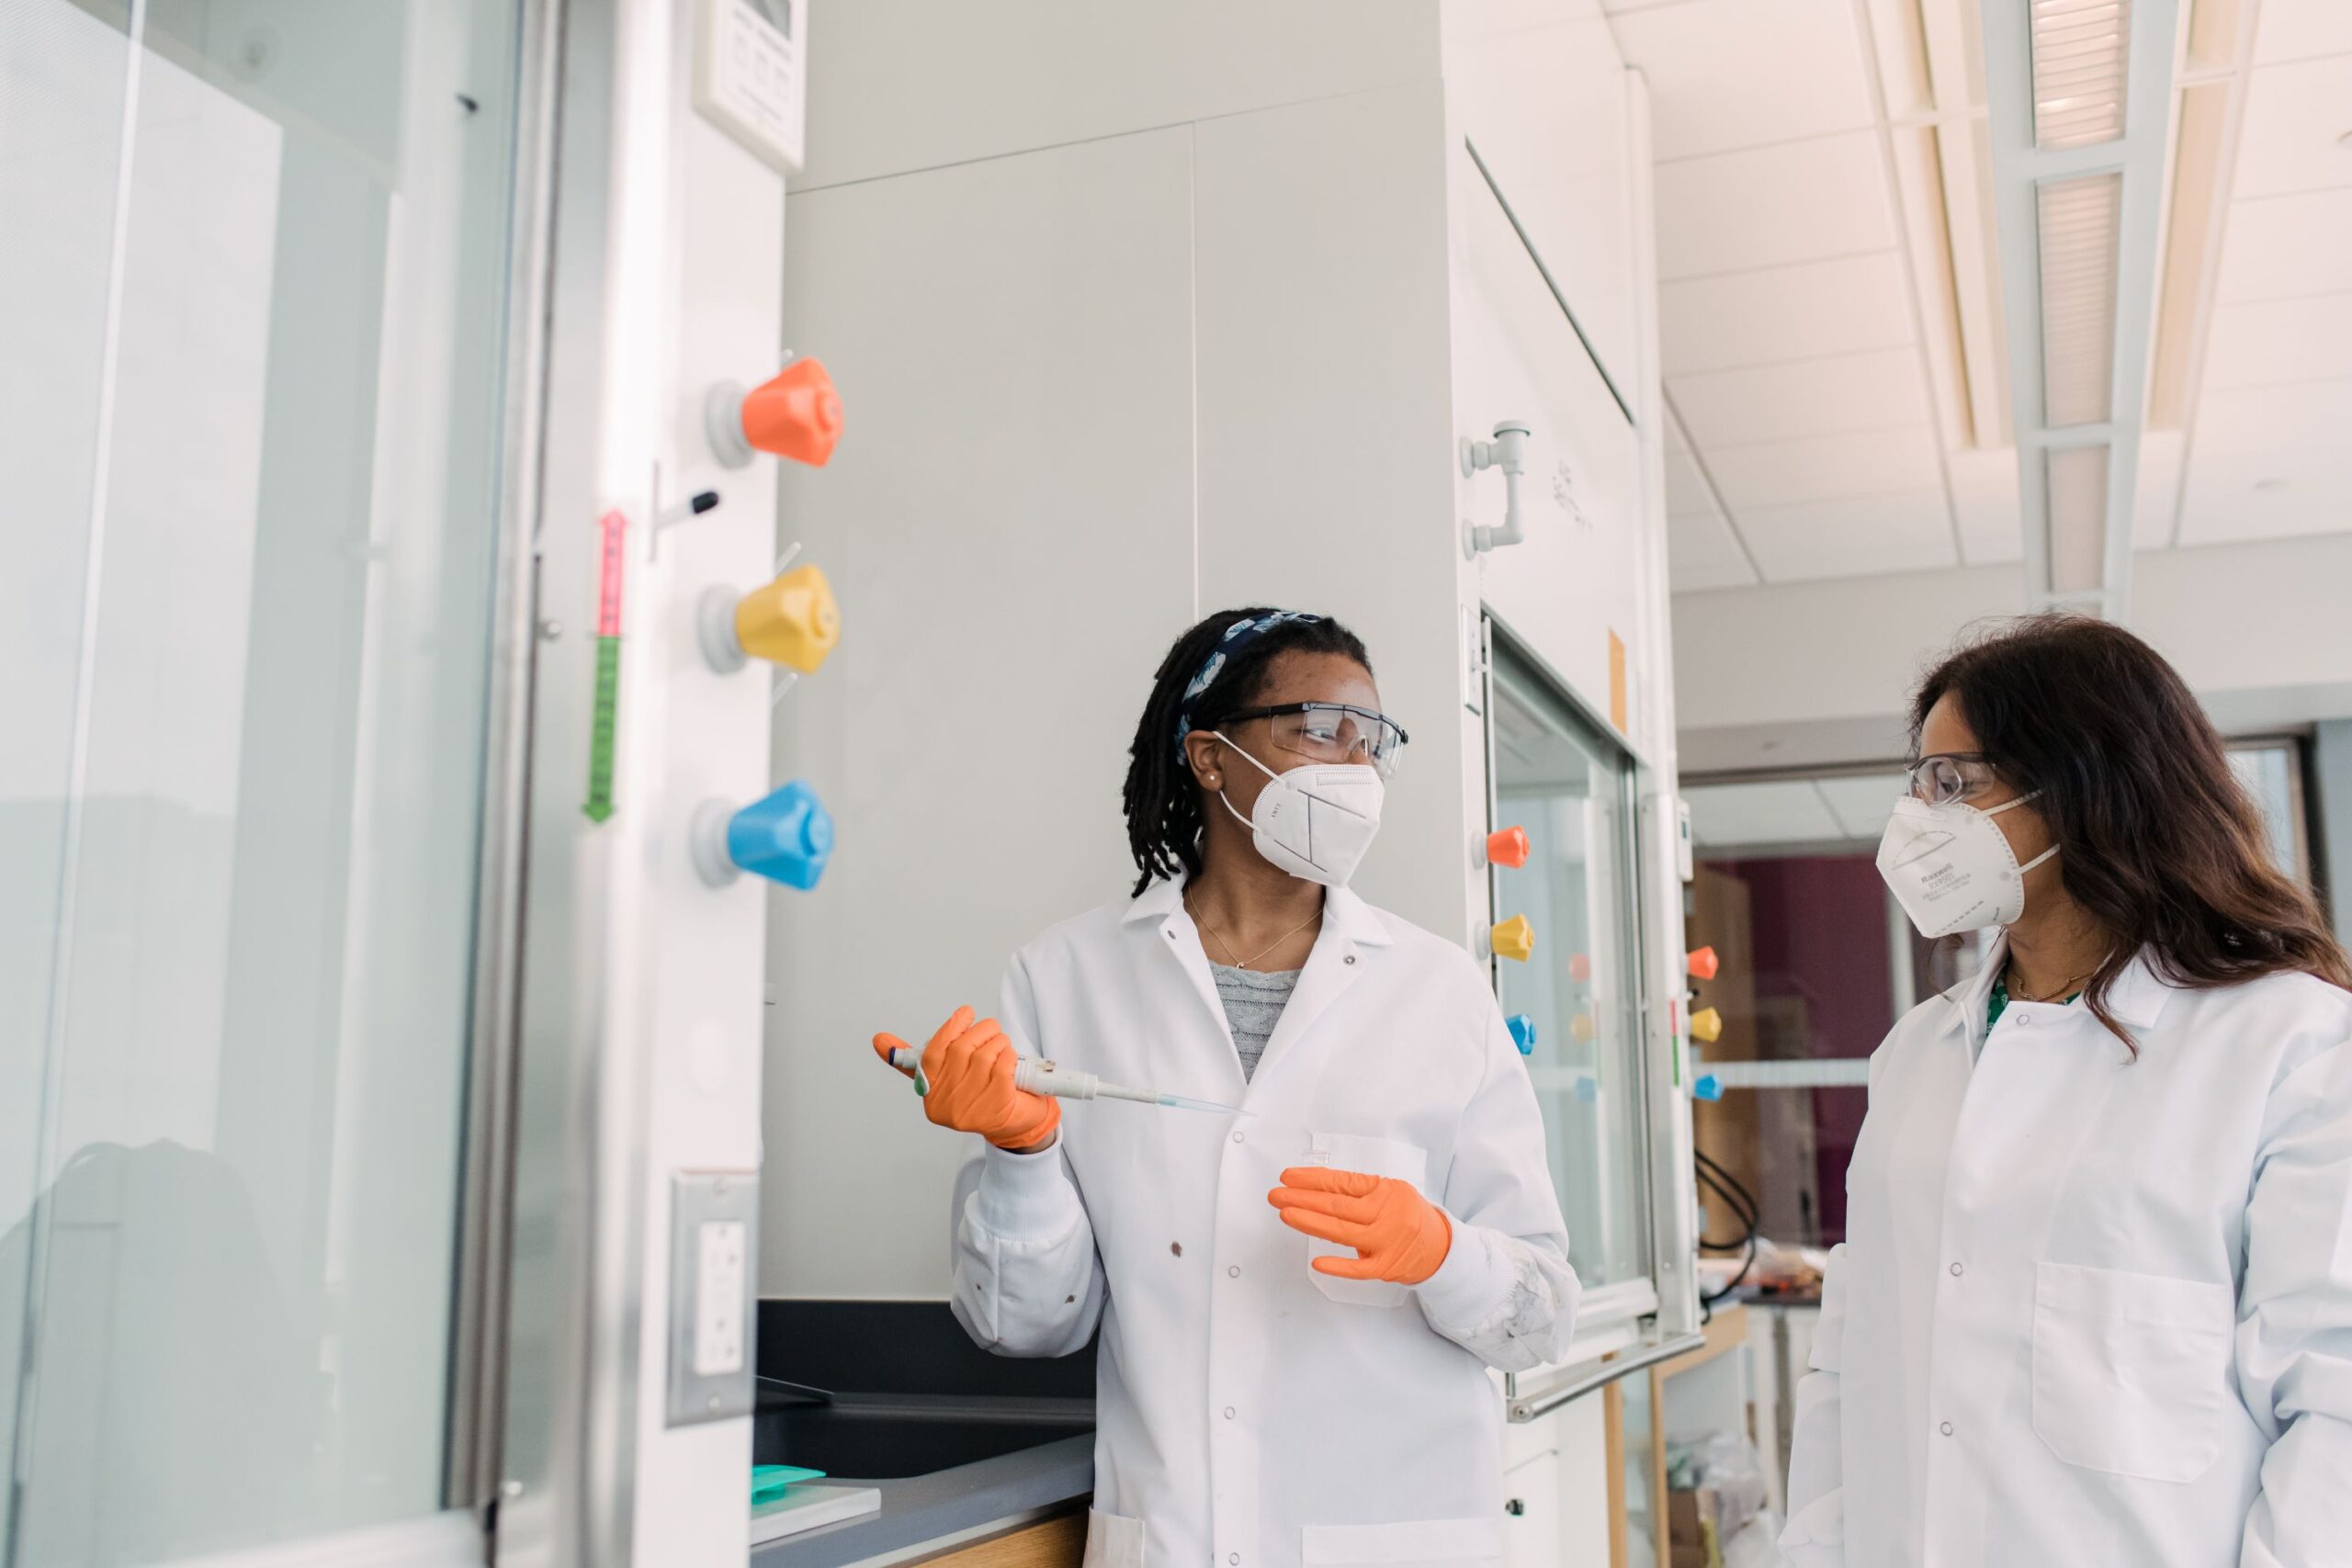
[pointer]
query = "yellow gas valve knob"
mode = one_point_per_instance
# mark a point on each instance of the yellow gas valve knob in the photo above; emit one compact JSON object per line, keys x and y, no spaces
{"x":792,"y":621}
{"x":1513,"y":939}
{"x":1706,"y":1026}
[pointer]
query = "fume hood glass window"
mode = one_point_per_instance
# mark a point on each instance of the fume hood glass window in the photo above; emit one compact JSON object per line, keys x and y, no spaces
{"x":251,"y":330}
{"x":1571,"y":789}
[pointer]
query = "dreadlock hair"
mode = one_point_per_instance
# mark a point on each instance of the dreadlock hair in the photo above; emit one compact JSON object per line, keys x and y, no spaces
{"x":1163,"y":804}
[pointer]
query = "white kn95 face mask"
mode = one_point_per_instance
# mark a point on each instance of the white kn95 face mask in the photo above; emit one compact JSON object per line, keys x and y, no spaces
{"x":1950,"y":866}
{"x":1315,"y":821}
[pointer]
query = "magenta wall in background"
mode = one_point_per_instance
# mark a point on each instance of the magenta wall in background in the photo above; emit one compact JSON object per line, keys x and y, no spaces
{"x":1819,"y":929}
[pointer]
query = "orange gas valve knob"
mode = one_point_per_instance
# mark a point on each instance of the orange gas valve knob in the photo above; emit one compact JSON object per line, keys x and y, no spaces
{"x":1703,"y":963}
{"x":795,"y":413}
{"x":1507,"y":847}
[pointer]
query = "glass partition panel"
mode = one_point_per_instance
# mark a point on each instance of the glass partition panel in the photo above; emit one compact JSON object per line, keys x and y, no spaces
{"x":1571,"y":789}
{"x":250,"y":412}
{"x":62,"y":80}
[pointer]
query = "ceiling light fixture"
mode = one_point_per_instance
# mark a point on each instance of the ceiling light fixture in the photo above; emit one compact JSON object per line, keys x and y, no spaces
{"x":2079,"y":98}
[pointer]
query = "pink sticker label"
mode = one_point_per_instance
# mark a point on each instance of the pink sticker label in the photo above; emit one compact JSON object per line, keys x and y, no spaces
{"x":608,"y":587}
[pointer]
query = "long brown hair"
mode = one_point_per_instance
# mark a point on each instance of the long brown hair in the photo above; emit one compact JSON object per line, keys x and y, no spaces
{"x":2156,"y":839}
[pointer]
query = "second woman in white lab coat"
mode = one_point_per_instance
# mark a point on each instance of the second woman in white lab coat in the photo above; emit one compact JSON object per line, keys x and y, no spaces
{"x":1298,"y":1306}
{"x":2095,"y":1302}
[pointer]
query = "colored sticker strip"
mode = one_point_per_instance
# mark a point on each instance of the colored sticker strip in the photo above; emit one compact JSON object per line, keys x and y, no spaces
{"x":608,"y":669}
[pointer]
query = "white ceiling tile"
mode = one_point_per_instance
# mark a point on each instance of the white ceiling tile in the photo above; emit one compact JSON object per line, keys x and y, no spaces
{"x":2155,"y":491}
{"x":2257,"y":342}
{"x":1880,"y":390}
{"x":2240,"y":420}
{"x":1985,"y":504}
{"x":2300,"y":29}
{"x":1687,"y":494}
{"x":2284,"y":246}
{"x":1782,"y":811}
{"x":1863,"y":805}
{"x":1850,"y":538}
{"x":2267,"y":495}
{"x":1784,"y":313}
{"x":1770,"y":205}
{"x":2294,"y":116}
{"x":1826,"y":467}
{"x":1703,"y":553}
{"x":1726,"y":73}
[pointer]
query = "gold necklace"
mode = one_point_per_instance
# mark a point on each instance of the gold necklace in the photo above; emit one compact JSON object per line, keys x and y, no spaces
{"x":1201,"y":920}
{"x":2068,"y":989}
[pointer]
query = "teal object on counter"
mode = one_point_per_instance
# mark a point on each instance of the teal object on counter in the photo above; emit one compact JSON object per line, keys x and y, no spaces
{"x":769,"y":1481}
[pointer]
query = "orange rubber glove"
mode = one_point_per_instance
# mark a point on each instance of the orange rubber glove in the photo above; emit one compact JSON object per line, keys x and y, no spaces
{"x":969,"y":1066}
{"x":1400,"y":1236}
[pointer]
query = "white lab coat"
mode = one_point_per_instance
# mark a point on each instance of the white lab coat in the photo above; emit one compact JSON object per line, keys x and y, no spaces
{"x":1251,"y":1412}
{"x":2091,"y":1311}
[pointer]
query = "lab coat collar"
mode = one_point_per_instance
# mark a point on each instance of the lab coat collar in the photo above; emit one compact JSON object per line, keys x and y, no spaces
{"x":2137,"y":998}
{"x":2140,"y":993}
{"x":1345,"y":914}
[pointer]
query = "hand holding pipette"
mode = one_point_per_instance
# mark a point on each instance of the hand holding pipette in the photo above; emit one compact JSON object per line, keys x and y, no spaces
{"x":1030,"y":1078}
{"x":965,"y":1077}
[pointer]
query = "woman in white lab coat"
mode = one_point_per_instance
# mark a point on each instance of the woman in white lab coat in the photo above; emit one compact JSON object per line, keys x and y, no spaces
{"x":2095,"y":1302}
{"x":1298,"y":1306}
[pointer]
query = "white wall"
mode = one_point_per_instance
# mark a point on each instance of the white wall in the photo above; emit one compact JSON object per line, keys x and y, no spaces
{"x":1010,"y":524}
{"x":904,"y":84}
{"x":1821,"y":671}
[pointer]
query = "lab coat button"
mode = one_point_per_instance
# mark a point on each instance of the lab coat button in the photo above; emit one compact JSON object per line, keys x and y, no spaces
{"x":1946,"y":1429}
{"x":1234,"y":1272}
{"x":1233,"y":1557}
{"x":1237,"y":1137}
{"x":1228,"y":1413}
{"x":1955,"y":1270}
{"x":1350,"y":958}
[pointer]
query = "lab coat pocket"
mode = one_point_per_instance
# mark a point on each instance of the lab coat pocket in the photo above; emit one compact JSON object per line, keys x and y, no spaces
{"x":2130,"y":1369}
{"x":1416,"y":1543}
{"x":1374,"y":1156}
{"x":1112,"y":1542}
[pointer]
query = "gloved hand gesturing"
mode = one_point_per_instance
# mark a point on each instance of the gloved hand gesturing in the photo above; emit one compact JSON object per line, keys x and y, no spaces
{"x":1400,"y":1236}
{"x":969,"y":1066}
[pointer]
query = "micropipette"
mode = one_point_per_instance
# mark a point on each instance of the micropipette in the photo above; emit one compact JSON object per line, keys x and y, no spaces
{"x":1036,"y":1076}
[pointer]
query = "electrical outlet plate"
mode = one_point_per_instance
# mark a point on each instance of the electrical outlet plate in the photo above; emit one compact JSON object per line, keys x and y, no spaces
{"x":714,"y":1295}
{"x":752,"y":74}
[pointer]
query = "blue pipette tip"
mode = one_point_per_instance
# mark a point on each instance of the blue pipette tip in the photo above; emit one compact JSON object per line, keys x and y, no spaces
{"x":1183,"y":1103}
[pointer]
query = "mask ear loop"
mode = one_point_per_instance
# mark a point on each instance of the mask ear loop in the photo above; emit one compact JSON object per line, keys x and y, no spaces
{"x":1253,"y":762}
{"x":2020,"y":800}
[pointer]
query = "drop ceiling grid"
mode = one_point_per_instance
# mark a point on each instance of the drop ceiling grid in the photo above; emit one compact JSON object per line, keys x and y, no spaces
{"x":1788,"y":341}
{"x":2266,"y":455}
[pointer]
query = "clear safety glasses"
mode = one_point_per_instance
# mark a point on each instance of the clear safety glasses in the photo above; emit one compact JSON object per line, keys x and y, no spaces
{"x":1950,"y":777}
{"x":1331,"y":732}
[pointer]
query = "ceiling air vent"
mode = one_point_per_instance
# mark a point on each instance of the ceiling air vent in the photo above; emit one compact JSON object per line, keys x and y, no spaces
{"x":2081,"y":50}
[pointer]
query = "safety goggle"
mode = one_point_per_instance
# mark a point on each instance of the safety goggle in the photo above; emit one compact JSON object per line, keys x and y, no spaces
{"x":1948,"y":778}
{"x":1331,"y":732}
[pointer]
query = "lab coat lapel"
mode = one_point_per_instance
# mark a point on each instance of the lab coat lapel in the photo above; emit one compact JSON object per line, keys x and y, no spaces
{"x":1350,"y":926}
{"x":1159,"y":908}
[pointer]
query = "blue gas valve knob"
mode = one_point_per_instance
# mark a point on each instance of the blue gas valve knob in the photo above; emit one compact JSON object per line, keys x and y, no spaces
{"x":1523,"y":1033}
{"x":785,"y":836}
{"x":1706,"y":1086}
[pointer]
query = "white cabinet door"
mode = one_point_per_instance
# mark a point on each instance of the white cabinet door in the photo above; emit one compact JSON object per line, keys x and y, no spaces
{"x":1534,"y":1531}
